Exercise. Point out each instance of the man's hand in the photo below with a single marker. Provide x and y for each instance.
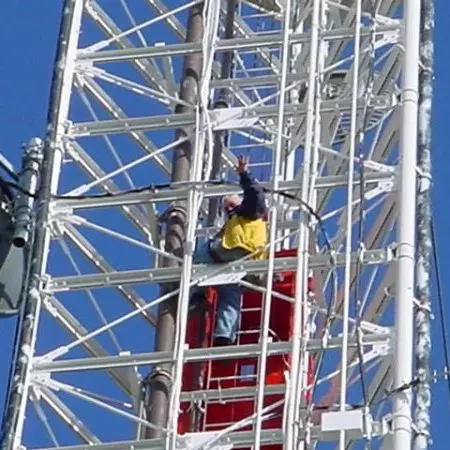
(242, 165)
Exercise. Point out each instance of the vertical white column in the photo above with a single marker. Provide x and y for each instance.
(349, 219)
(273, 215)
(203, 129)
(296, 380)
(406, 227)
(72, 12)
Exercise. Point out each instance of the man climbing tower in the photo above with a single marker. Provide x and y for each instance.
(244, 233)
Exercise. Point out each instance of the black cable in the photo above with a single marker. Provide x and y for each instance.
(155, 187)
(9, 185)
(152, 188)
(329, 315)
(360, 134)
(6, 189)
(16, 348)
(388, 393)
(10, 374)
(442, 312)
(328, 321)
(358, 303)
(14, 352)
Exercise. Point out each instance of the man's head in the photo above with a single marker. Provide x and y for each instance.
(230, 202)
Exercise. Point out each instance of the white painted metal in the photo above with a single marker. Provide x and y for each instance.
(402, 401)
(348, 218)
(298, 121)
(296, 381)
(273, 216)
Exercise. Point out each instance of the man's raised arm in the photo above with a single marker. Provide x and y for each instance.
(253, 204)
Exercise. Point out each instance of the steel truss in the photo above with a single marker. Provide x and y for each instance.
(324, 100)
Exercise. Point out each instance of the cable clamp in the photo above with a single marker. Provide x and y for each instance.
(45, 290)
(86, 67)
(51, 356)
(333, 261)
(361, 252)
(377, 167)
(59, 214)
(43, 378)
(425, 180)
(422, 306)
(368, 423)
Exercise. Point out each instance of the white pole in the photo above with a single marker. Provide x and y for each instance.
(53, 154)
(211, 13)
(264, 335)
(305, 363)
(406, 228)
(296, 384)
(349, 219)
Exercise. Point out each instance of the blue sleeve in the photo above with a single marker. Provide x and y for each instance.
(253, 204)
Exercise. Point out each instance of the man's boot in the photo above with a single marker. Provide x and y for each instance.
(221, 341)
(197, 304)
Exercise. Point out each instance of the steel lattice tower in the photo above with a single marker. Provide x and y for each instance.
(153, 99)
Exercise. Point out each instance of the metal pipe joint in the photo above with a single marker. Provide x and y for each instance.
(28, 182)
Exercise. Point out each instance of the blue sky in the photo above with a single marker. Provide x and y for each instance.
(28, 33)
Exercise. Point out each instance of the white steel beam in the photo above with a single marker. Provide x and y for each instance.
(74, 328)
(41, 365)
(61, 409)
(167, 274)
(148, 68)
(250, 114)
(181, 191)
(225, 45)
(237, 438)
(406, 231)
(145, 224)
(102, 264)
(108, 103)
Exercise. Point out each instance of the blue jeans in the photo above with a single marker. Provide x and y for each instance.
(228, 295)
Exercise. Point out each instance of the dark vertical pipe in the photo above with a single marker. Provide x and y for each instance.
(223, 101)
(159, 381)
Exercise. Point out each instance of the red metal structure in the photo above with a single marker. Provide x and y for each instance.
(242, 372)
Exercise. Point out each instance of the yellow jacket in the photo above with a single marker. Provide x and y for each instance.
(248, 234)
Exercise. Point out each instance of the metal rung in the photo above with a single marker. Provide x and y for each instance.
(253, 69)
(214, 425)
(234, 377)
(228, 401)
(248, 332)
(251, 309)
(258, 16)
